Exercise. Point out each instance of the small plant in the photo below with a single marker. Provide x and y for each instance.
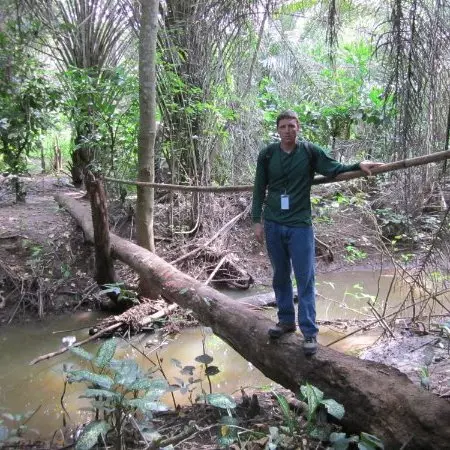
(120, 293)
(289, 418)
(228, 424)
(424, 375)
(354, 254)
(120, 391)
(319, 428)
(365, 441)
(318, 408)
(207, 369)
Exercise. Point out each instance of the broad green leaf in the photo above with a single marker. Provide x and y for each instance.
(105, 353)
(82, 353)
(204, 359)
(313, 396)
(334, 408)
(221, 401)
(89, 436)
(84, 375)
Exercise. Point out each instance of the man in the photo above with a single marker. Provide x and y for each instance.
(286, 169)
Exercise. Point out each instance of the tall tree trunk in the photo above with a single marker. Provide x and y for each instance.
(104, 266)
(147, 131)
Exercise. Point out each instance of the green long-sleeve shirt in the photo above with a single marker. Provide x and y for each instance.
(290, 174)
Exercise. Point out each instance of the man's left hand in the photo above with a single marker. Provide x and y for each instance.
(367, 166)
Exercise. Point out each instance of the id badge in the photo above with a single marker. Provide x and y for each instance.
(284, 202)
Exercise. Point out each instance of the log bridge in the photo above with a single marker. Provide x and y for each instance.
(378, 399)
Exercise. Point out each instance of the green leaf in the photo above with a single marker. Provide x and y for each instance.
(340, 441)
(105, 353)
(221, 401)
(188, 370)
(146, 405)
(204, 359)
(334, 408)
(127, 371)
(176, 362)
(370, 441)
(156, 387)
(288, 416)
(321, 432)
(84, 375)
(82, 353)
(313, 396)
(334, 437)
(212, 370)
(89, 436)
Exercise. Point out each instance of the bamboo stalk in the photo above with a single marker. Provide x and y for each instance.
(388, 167)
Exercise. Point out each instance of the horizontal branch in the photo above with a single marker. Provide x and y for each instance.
(389, 167)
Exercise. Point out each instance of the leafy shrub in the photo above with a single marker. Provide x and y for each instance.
(119, 390)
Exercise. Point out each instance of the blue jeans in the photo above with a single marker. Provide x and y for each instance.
(293, 247)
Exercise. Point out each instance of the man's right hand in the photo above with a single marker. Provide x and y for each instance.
(259, 232)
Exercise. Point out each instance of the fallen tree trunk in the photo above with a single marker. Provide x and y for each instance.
(378, 399)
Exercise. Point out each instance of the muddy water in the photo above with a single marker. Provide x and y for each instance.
(25, 388)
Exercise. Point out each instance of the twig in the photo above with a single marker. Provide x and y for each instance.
(434, 341)
(211, 276)
(397, 165)
(112, 327)
(72, 330)
(77, 344)
(381, 319)
(374, 323)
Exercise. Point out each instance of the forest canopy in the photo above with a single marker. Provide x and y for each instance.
(368, 80)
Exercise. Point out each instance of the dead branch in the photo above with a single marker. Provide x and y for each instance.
(104, 331)
(389, 167)
(228, 225)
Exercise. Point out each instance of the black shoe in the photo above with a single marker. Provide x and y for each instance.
(281, 328)
(310, 345)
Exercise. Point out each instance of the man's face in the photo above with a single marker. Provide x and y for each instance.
(288, 130)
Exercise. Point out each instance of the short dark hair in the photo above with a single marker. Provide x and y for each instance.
(288, 114)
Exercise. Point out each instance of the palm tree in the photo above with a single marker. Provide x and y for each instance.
(92, 35)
